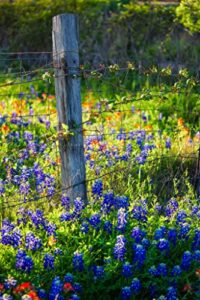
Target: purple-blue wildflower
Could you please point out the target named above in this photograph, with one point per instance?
(186, 260)
(119, 250)
(98, 272)
(32, 242)
(97, 188)
(23, 261)
(127, 270)
(138, 234)
(78, 262)
(121, 219)
(49, 260)
(126, 293)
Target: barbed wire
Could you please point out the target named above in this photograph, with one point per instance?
(98, 73)
(25, 53)
(64, 189)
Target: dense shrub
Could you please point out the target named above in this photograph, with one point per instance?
(109, 30)
(189, 14)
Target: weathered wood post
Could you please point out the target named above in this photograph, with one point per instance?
(68, 99)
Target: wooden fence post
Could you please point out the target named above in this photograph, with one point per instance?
(68, 99)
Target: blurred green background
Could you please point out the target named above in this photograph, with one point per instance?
(111, 31)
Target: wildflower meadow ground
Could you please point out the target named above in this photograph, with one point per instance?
(138, 237)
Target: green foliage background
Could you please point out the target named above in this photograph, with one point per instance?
(189, 14)
(110, 30)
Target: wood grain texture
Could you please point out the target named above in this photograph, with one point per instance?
(68, 99)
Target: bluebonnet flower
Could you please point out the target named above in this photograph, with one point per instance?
(121, 219)
(140, 213)
(168, 143)
(2, 187)
(24, 188)
(146, 243)
(121, 135)
(196, 255)
(37, 218)
(181, 215)
(97, 171)
(65, 201)
(69, 278)
(77, 287)
(163, 245)
(66, 216)
(23, 261)
(186, 260)
(184, 230)
(78, 207)
(98, 272)
(138, 234)
(32, 147)
(131, 135)
(87, 157)
(139, 141)
(196, 240)
(56, 288)
(50, 229)
(92, 163)
(42, 148)
(74, 297)
(195, 211)
(158, 208)
(144, 117)
(171, 207)
(10, 282)
(148, 147)
(129, 148)
(120, 248)
(95, 220)
(22, 216)
(42, 294)
(135, 286)
(97, 188)
(109, 163)
(84, 227)
(124, 157)
(78, 262)
(121, 202)
(176, 271)
(32, 242)
(141, 159)
(162, 269)
(126, 293)
(153, 271)
(127, 270)
(28, 136)
(171, 293)
(172, 235)
(160, 233)
(139, 254)
(108, 226)
(108, 202)
(11, 236)
(58, 251)
(49, 261)
(50, 191)
(47, 124)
